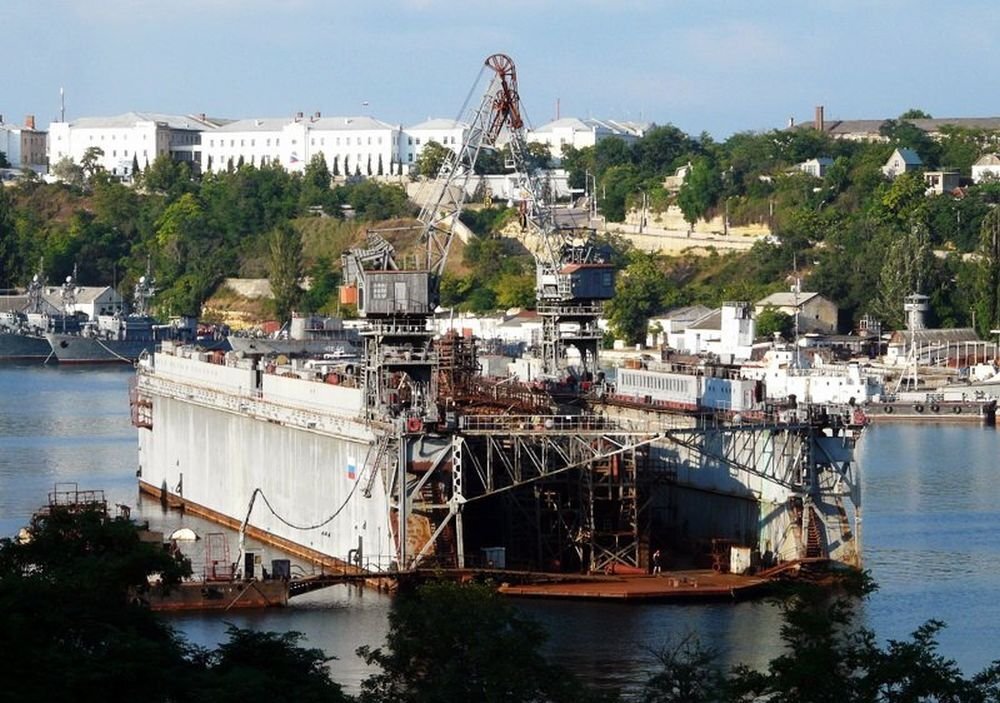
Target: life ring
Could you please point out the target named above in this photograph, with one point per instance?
(413, 424)
(919, 408)
(887, 410)
(957, 410)
(935, 408)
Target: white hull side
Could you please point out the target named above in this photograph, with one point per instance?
(217, 459)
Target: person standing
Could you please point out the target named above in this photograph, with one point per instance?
(657, 562)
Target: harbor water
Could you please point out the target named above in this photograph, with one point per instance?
(931, 507)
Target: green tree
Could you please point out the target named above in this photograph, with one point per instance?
(431, 158)
(659, 150)
(618, 185)
(700, 190)
(323, 291)
(4, 163)
(11, 261)
(642, 290)
(285, 268)
(687, 673)
(451, 642)
(907, 268)
(988, 274)
(316, 181)
(90, 161)
(771, 320)
(515, 290)
(267, 666)
(68, 172)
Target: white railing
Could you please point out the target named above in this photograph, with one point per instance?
(255, 406)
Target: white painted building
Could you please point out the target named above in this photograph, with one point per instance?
(351, 145)
(900, 161)
(129, 139)
(986, 168)
(23, 145)
(412, 140)
(668, 329)
(815, 167)
(571, 131)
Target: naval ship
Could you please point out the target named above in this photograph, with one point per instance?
(115, 338)
(22, 330)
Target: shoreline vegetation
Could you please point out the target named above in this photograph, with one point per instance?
(69, 631)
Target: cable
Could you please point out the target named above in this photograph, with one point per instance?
(465, 105)
(317, 525)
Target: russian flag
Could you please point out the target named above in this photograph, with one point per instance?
(352, 470)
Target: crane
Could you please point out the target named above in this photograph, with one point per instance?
(573, 274)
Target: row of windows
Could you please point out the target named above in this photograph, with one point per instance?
(657, 383)
(124, 137)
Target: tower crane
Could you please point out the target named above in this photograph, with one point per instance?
(573, 276)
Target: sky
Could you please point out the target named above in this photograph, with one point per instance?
(702, 65)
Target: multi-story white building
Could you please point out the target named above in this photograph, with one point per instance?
(135, 138)
(351, 145)
(570, 131)
(449, 133)
(23, 145)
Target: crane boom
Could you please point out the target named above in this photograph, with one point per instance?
(498, 114)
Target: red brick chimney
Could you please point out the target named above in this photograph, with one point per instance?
(819, 118)
(29, 121)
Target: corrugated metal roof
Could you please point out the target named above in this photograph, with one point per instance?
(935, 336)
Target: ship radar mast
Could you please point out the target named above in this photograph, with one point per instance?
(145, 289)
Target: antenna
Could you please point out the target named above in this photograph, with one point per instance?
(62, 105)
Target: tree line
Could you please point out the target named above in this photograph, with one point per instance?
(71, 629)
(853, 235)
(193, 230)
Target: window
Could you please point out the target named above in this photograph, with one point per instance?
(409, 157)
(125, 152)
(253, 142)
(380, 140)
(268, 142)
(418, 141)
(409, 140)
(338, 141)
(242, 142)
(114, 152)
(369, 141)
(211, 142)
(380, 290)
(277, 142)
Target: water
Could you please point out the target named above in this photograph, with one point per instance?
(931, 515)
